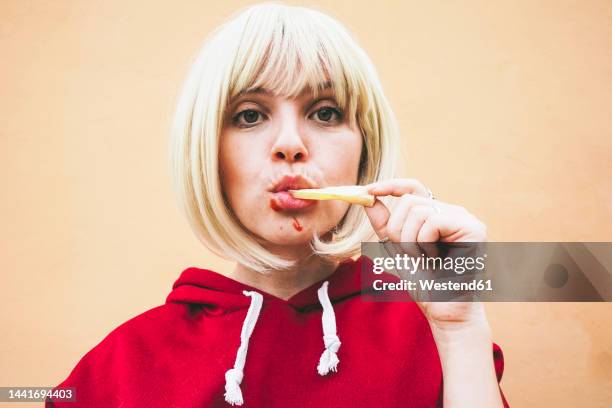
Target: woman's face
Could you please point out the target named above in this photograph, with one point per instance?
(270, 144)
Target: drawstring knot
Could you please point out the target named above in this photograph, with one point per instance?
(233, 394)
(329, 359)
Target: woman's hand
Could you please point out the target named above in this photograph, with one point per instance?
(460, 329)
(419, 218)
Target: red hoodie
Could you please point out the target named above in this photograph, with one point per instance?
(179, 354)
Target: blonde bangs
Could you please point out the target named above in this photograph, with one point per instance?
(288, 54)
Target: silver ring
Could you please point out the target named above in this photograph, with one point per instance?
(430, 194)
(384, 240)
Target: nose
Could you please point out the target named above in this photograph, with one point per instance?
(289, 145)
(289, 154)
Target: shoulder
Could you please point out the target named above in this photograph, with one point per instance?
(144, 328)
(130, 345)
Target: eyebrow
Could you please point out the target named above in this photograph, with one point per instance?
(258, 90)
(263, 91)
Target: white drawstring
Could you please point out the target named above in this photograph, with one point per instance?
(233, 376)
(329, 359)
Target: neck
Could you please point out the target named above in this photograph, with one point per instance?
(287, 282)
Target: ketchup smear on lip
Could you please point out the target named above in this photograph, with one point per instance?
(283, 200)
(274, 205)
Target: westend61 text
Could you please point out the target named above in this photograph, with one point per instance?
(432, 285)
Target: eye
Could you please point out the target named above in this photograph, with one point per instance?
(247, 118)
(327, 115)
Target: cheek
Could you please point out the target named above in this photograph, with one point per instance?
(242, 165)
(340, 160)
(234, 169)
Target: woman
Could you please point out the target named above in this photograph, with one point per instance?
(283, 98)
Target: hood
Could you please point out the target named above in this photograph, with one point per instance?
(213, 290)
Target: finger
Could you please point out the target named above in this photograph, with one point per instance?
(398, 187)
(398, 217)
(414, 221)
(437, 227)
(378, 215)
(442, 206)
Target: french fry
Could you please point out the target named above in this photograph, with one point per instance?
(350, 194)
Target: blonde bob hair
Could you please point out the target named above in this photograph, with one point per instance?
(285, 49)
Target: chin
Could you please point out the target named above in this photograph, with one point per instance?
(290, 230)
(290, 238)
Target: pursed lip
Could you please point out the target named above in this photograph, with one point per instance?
(293, 182)
(283, 200)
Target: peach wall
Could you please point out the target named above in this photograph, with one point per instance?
(504, 108)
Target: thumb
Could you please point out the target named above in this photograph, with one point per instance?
(378, 215)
